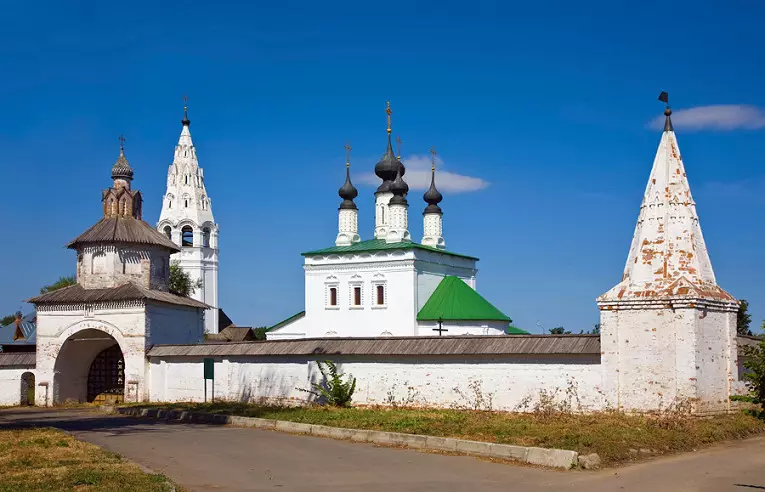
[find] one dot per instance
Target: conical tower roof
(668, 256)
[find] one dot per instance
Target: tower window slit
(333, 296)
(357, 296)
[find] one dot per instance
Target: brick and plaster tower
(348, 213)
(668, 331)
(187, 219)
(432, 216)
(386, 169)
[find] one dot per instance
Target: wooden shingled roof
(119, 229)
(18, 359)
(395, 346)
(130, 291)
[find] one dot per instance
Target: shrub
(333, 389)
(755, 374)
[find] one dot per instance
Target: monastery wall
(170, 324)
(509, 382)
(10, 385)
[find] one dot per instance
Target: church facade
(187, 220)
(390, 285)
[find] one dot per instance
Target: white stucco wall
(502, 383)
(173, 324)
(10, 385)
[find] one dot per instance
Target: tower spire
(398, 147)
(433, 215)
(185, 121)
(122, 173)
(664, 97)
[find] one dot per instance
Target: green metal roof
(455, 300)
(381, 245)
(286, 321)
(514, 330)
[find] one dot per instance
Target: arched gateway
(92, 336)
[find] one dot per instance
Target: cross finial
(348, 149)
(433, 159)
(388, 112)
(398, 146)
(185, 121)
(122, 144)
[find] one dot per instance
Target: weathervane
(398, 146)
(664, 97)
(348, 149)
(388, 112)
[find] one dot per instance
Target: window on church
(333, 296)
(187, 238)
(168, 232)
(187, 179)
(206, 237)
(357, 296)
(186, 203)
(380, 292)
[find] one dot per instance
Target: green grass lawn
(610, 434)
(37, 460)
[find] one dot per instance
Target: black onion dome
(387, 168)
(121, 168)
(348, 192)
(399, 188)
(432, 197)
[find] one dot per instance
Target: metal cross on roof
(432, 158)
(348, 149)
(122, 142)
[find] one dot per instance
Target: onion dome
(121, 168)
(399, 188)
(348, 192)
(432, 197)
(387, 168)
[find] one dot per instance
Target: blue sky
(546, 105)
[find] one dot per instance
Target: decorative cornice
(349, 267)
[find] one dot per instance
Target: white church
(389, 285)
(396, 313)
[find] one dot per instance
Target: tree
(559, 330)
(181, 282)
(743, 318)
(59, 284)
(755, 374)
(7, 320)
(595, 330)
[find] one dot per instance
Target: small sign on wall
(209, 373)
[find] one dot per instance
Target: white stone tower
(432, 216)
(668, 331)
(348, 213)
(187, 219)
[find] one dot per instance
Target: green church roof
(381, 245)
(514, 330)
(455, 300)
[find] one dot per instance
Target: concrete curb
(553, 458)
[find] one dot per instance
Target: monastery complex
(402, 314)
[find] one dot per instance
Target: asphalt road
(209, 457)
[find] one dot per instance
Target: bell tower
(187, 219)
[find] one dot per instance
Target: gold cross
(398, 146)
(348, 149)
(185, 107)
(432, 158)
(388, 112)
(122, 142)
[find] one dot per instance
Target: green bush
(333, 389)
(755, 374)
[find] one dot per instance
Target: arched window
(168, 232)
(333, 296)
(187, 179)
(380, 291)
(186, 202)
(204, 203)
(187, 238)
(206, 237)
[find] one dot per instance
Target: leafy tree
(260, 333)
(743, 318)
(595, 330)
(59, 284)
(181, 282)
(559, 330)
(755, 374)
(7, 320)
(333, 389)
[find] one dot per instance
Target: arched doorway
(106, 377)
(90, 367)
(27, 388)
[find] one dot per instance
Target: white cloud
(418, 177)
(715, 117)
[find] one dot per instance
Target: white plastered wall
(10, 384)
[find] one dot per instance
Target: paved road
(202, 458)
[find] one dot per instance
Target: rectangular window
(333, 296)
(357, 296)
(380, 290)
